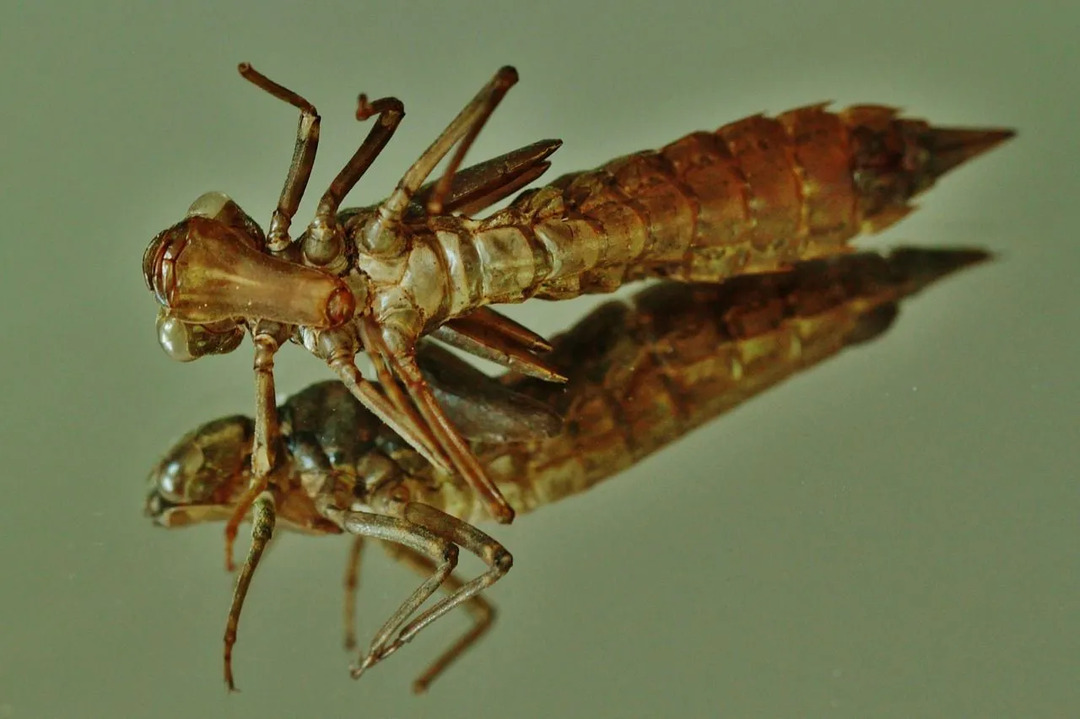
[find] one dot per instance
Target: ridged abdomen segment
(753, 196)
(644, 372)
(642, 376)
(658, 388)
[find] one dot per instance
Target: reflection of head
(202, 475)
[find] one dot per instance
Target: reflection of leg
(263, 517)
(482, 612)
(431, 539)
(352, 581)
(442, 553)
(471, 539)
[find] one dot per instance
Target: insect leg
(339, 357)
(264, 516)
(483, 408)
(471, 539)
(371, 338)
(267, 338)
(400, 356)
(504, 79)
(266, 431)
(483, 614)
(352, 582)
(381, 236)
(478, 406)
(303, 159)
(390, 112)
(324, 244)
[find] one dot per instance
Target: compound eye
(177, 476)
(185, 342)
(220, 207)
(174, 338)
(209, 205)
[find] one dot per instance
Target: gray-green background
(893, 534)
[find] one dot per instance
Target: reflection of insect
(753, 196)
(640, 375)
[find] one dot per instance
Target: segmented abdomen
(753, 196)
(641, 374)
(644, 373)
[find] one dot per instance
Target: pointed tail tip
(927, 265)
(950, 147)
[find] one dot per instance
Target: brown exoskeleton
(753, 196)
(640, 375)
